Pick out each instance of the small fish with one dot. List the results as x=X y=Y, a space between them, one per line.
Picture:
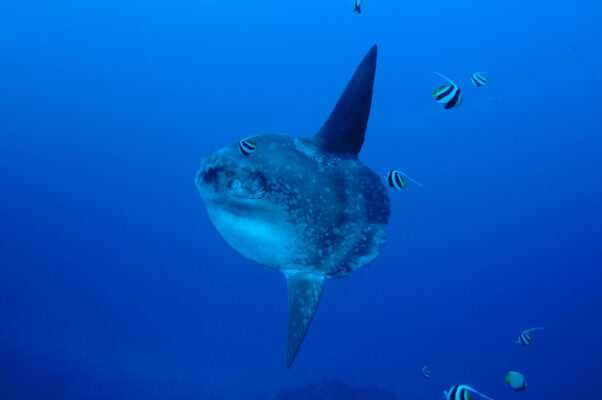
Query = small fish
x=516 y=380
x=426 y=371
x=397 y=179
x=462 y=392
x=247 y=146
x=525 y=337
x=479 y=79
x=448 y=94
x=357 y=4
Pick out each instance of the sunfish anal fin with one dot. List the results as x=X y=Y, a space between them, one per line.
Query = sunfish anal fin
x=304 y=291
x=344 y=130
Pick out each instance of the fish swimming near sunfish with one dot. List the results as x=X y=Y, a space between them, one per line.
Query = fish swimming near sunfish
x=448 y=94
x=397 y=179
x=462 y=392
x=516 y=380
x=306 y=206
x=357 y=6
x=525 y=337
x=247 y=146
x=426 y=371
x=479 y=79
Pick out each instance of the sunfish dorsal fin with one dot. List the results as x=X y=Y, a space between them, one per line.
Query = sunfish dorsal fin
x=304 y=291
x=343 y=131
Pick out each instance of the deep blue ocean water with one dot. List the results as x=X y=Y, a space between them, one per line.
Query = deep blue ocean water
x=115 y=284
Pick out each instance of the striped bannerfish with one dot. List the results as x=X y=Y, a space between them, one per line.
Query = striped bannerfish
x=462 y=392
x=357 y=4
x=397 y=179
x=448 y=94
x=479 y=79
x=525 y=337
x=247 y=146
x=426 y=371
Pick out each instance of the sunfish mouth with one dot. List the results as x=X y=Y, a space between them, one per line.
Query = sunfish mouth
x=223 y=177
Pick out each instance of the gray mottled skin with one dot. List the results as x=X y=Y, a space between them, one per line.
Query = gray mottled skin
x=301 y=205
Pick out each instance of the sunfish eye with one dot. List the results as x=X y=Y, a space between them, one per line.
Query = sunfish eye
x=252 y=186
x=235 y=185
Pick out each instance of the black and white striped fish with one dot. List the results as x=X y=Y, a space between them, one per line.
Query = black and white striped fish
x=397 y=179
x=525 y=337
x=247 y=146
x=448 y=94
x=479 y=79
x=426 y=371
x=357 y=4
x=462 y=392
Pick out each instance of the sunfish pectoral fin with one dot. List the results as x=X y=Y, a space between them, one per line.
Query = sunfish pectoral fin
x=304 y=291
x=344 y=130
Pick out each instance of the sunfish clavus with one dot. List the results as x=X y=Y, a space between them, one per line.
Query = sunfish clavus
x=306 y=206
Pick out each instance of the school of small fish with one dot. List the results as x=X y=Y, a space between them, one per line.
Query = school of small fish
x=450 y=95
x=514 y=379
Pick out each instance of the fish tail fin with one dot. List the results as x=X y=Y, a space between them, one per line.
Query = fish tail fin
x=357 y=9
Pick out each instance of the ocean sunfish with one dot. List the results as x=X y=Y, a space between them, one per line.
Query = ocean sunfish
x=306 y=206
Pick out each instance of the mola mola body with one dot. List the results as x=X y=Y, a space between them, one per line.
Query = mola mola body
x=306 y=206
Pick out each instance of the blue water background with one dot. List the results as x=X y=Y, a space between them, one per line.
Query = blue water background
x=115 y=284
